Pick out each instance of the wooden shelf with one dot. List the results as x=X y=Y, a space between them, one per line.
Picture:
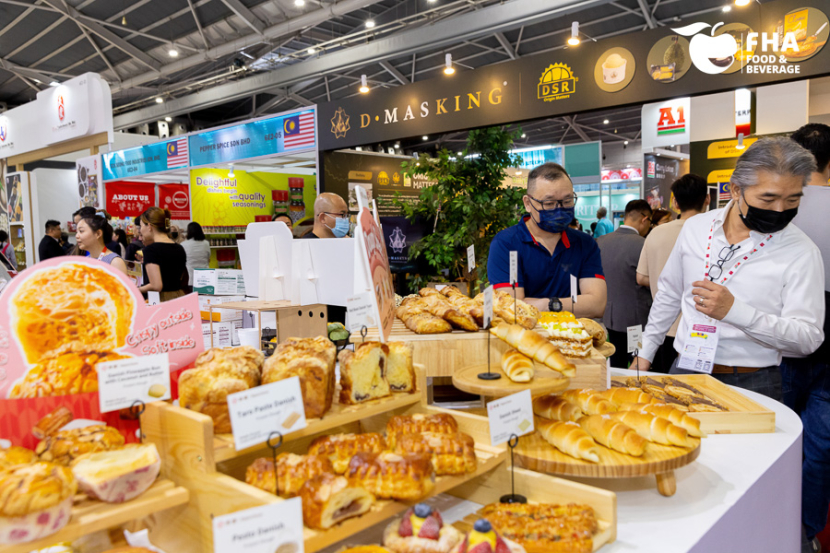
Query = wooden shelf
x=338 y=415
x=258 y=305
x=89 y=515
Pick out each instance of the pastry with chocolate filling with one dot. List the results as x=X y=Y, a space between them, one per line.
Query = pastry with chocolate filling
x=329 y=500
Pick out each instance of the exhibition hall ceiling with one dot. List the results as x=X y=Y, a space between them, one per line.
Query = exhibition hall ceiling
x=211 y=62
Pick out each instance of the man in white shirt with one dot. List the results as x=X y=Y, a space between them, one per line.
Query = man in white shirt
x=745 y=271
x=690 y=192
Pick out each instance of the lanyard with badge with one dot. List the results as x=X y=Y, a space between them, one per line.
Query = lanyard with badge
x=702 y=341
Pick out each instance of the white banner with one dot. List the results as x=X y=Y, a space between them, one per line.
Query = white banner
x=666 y=123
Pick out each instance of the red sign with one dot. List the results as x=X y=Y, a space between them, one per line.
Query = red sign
x=672 y=120
x=129 y=199
x=176 y=198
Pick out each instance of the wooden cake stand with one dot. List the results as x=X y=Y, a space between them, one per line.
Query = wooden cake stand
x=534 y=453
x=544 y=381
x=607 y=349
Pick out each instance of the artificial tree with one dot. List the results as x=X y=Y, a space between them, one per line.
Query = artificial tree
x=469 y=204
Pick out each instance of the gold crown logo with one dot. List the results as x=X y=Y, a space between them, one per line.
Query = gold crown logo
x=340 y=123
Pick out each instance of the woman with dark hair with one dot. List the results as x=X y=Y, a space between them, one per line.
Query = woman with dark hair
x=164 y=260
x=661 y=217
x=197 y=249
x=121 y=240
x=91 y=235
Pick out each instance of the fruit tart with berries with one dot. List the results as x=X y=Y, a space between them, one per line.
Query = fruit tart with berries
x=484 y=539
x=421 y=530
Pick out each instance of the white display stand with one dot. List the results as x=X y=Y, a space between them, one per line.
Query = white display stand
x=324 y=270
x=266 y=256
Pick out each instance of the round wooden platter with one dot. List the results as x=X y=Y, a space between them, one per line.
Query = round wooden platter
x=607 y=349
x=534 y=453
x=544 y=381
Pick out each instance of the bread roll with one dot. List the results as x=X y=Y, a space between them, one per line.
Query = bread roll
x=590 y=401
x=535 y=346
x=613 y=434
x=518 y=367
x=674 y=416
x=569 y=438
x=655 y=429
x=556 y=408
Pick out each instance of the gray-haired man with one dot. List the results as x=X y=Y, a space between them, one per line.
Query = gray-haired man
x=744 y=278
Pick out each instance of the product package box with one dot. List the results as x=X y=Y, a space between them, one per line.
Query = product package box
x=235 y=326
x=222 y=335
x=219 y=315
x=218 y=282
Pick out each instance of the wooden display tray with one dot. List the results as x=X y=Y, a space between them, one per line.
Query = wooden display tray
x=745 y=416
x=534 y=453
x=90 y=515
x=542 y=488
x=544 y=381
x=607 y=349
x=443 y=354
x=293 y=320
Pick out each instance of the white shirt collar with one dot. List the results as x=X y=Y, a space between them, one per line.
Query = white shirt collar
x=632 y=228
x=720 y=218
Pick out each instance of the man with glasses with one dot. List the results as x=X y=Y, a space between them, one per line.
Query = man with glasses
x=745 y=280
x=548 y=254
x=628 y=303
x=331 y=217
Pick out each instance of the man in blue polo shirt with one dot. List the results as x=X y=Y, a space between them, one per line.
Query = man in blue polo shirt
x=547 y=253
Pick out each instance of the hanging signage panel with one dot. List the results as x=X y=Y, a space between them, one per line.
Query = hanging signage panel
x=670 y=61
x=147 y=159
x=253 y=139
x=176 y=199
x=129 y=199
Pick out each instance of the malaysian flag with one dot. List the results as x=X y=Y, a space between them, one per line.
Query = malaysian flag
x=723 y=191
x=299 y=130
x=177 y=153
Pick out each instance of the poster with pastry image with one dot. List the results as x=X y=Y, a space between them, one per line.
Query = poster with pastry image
x=372 y=268
x=614 y=69
x=60 y=319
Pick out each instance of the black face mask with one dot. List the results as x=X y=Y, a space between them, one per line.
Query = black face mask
x=766 y=221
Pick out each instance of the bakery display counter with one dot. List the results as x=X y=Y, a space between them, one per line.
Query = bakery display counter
x=89 y=515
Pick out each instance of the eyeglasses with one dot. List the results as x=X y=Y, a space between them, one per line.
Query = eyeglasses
x=570 y=201
x=726 y=253
x=341 y=214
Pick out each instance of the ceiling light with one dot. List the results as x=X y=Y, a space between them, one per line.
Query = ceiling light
x=230 y=173
x=605 y=121
x=370 y=23
x=159 y=100
x=740 y=145
x=524 y=135
x=425 y=137
x=312 y=50
x=518 y=173
x=448 y=68
x=574 y=38
x=417 y=163
x=54 y=83
x=124 y=20
x=168 y=119
x=626 y=142
x=364 y=85
x=742 y=3
x=359 y=149
x=727 y=8
x=173 y=53
x=36 y=80
x=299 y=3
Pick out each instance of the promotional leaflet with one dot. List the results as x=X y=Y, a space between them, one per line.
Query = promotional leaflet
x=52 y=344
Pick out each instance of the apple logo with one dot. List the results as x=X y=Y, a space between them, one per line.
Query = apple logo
x=710 y=54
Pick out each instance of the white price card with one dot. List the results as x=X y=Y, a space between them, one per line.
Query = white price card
x=574 y=289
x=699 y=350
x=514 y=268
x=471 y=258
x=272 y=528
x=258 y=412
x=510 y=415
x=153 y=298
x=488 y=306
x=122 y=383
x=635 y=338
x=361 y=310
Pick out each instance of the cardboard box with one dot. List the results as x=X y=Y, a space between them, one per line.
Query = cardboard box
x=219 y=282
x=219 y=315
x=222 y=335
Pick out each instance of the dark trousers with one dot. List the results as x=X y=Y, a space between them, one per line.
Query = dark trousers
x=765 y=381
x=621 y=357
x=806 y=390
x=664 y=357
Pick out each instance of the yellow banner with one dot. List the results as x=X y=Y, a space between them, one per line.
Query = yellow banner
x=721 y=175
x=222 y=201
x=728 y=148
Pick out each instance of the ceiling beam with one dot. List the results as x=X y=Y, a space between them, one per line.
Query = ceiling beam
x=394 y=72
x=107 y=35
x=647 y=14
x=198 y=23
x=100 y=53
x=299 y=99
x=506 y=45
x=572 y=122
x=25 y=71
x=246 y=15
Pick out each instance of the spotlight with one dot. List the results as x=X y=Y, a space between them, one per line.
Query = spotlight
x=364 y=85
x=299 y=3
x=605 y=121
x=625 y=143
x=370 y=23
x=159 y=100
x=574 y=38
x=231 y=173
x=448 y=68
x=518 y=173
x=727 y=8
x=524 y=135
x=740 y=145
x=425 y=138
x=168 y=119
x=123 y=20
x=312 y=50
x=742 y=3
x=54 y=83
x=359 y=149
x=173 y=53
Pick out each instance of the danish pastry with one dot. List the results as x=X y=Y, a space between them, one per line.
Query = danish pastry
x=545 y=528
x=67 y=445
x=329 y=500
x=340 y=448
x=452 y=454
x=313 y=361
x=421 y=530
x=484 y=539
x=407 y=477
x=16 y=456
x=293 y=470
x=438 y=423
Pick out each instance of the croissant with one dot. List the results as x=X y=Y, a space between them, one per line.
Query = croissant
x=654 y=429
x=340 y=448
x=534 y=346
x=618 y=396
x=407 y=477
x=437 y=423
x=419 y=321
x=556 y=408
x=569 y=438
x=674 y=416
x=590 y=401
x=517 y=366
x=613 y=434
x=440 y=307
x=294 y=471
x=452 y=454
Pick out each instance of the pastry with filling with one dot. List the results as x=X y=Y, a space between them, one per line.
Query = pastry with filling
x=452 y=454
x=35 y=501
x=567 y=334
x=416 y=318
x=67 y=445
x=363 y=373
x=312 y=360
x=293 y=471
x=16 y=456
x=484 y=539
x=421 y=530
x=329 y=500
x=65 y=374
x=407 y=477
x=437 y=423
x=400 y=372
x=118 y=475
x=340 y=448
x=71 y=308
x=545 y=528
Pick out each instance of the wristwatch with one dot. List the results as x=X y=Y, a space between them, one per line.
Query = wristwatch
x=554 y=305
